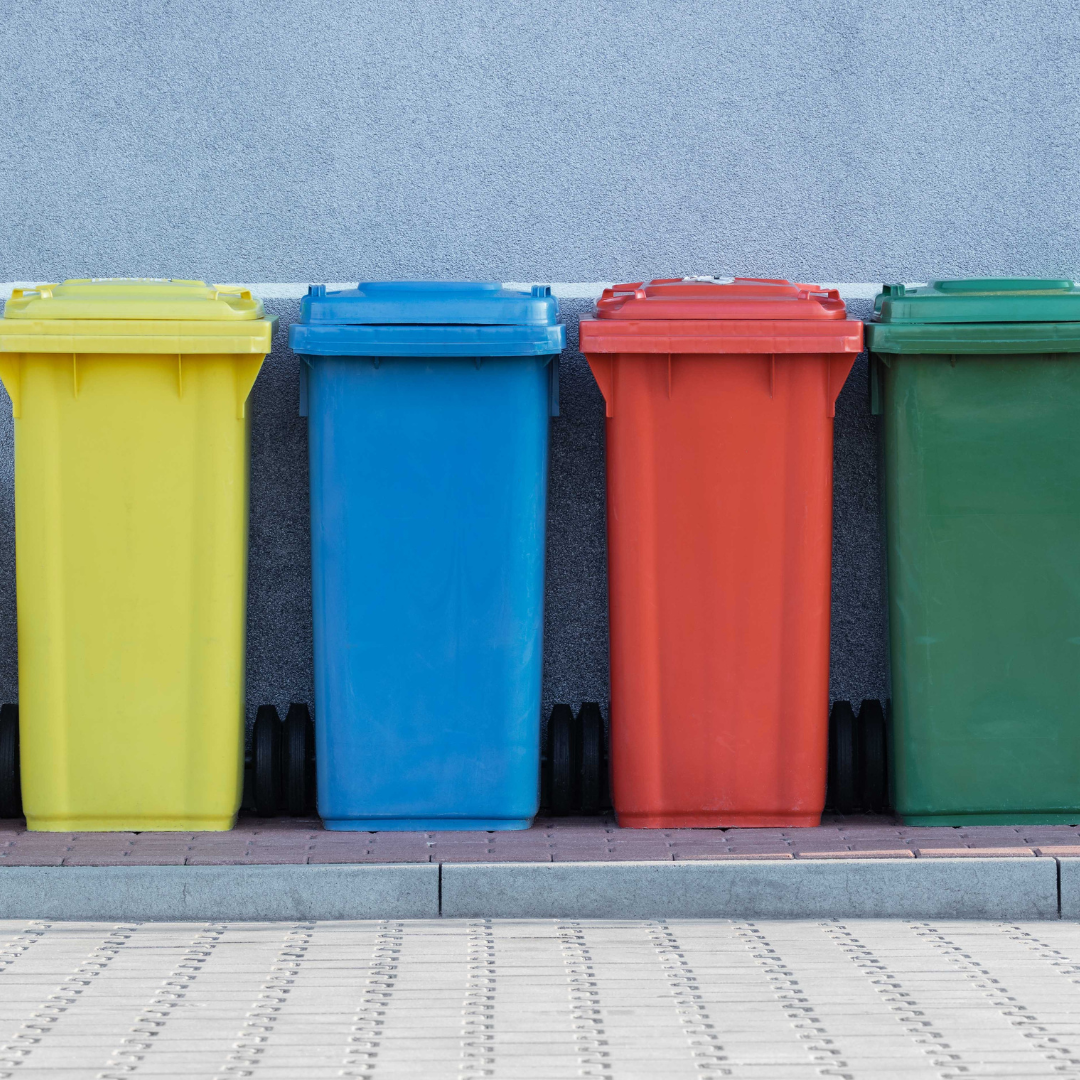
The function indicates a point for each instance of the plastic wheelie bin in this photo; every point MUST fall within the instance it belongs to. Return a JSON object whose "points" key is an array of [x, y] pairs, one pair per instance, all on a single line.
{"points": [[131, 458], [720, 400], [978, 382], [428, 409]]}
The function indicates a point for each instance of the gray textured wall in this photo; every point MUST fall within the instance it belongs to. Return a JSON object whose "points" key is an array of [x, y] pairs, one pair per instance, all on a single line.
{"points": [[575, 140], [570, 140]]}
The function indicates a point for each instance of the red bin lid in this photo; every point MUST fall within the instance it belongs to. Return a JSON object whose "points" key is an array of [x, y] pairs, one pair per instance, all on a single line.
{"points": [[719, 298]]}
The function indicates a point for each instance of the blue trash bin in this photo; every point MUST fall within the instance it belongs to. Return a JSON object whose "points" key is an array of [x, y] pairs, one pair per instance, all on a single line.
{"points": [[428, 407]]}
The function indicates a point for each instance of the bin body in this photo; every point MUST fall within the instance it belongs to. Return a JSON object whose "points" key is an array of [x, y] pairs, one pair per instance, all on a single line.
{"points": [[428, 502], [719, 459], [982, 496], [131, 454]]}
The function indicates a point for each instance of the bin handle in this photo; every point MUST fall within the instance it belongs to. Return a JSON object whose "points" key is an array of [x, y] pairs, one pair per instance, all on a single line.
{"points": [[44, 291], [636, 288], [809, 292]]}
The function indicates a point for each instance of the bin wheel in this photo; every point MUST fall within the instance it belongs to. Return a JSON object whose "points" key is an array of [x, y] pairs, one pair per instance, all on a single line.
{"points": [[297, 736], [593, 758], [10, 780], [842, 758], [561, 760], [873, 767], [266, 759], [889, 806]]}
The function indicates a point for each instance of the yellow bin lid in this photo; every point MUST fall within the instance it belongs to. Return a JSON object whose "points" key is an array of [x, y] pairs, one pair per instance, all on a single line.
{"points": [[135, 315]]}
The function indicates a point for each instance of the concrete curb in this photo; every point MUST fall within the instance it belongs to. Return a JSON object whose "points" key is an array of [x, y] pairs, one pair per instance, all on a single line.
{"points": [[198, 893], [961, 888], [1069, 888], [986, 888]]}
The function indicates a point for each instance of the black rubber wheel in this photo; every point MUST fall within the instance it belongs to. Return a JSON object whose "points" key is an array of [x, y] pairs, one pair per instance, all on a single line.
{"points": [[593, 773], [312, 779], [890, 806], [562, 761], [296, 755], [873, 766], [843, 758], [266, 760], [10, 780]]}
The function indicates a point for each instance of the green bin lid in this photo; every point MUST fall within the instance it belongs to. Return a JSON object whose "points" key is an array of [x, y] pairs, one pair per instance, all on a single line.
{"points": [[981, 300], [977, 315]]}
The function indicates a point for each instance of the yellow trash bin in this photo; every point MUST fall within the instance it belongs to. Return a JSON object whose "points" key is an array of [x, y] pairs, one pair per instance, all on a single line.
{"points": [[131, 474]]}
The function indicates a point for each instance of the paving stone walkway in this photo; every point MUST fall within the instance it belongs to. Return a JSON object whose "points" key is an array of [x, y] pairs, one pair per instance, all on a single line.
{"points": [[296, 841], [539, 999]]}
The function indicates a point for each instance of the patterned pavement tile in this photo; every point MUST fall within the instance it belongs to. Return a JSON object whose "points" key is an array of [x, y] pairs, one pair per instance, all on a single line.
{"points": [[540, 999]]}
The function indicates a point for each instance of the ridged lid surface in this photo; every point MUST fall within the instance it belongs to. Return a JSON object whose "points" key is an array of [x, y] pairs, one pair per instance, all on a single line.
{"points": [[981, 300], [719, 298], [134, 298], [447, 303]]}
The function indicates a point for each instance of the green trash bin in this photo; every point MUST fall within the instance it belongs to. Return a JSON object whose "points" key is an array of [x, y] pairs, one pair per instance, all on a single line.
{"points": [[978, 382]]}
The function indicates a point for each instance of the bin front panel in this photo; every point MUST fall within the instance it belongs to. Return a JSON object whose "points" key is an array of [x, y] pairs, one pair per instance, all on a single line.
{"points": [[983, 520], [428, 495], [131, 526], [719, 534]]}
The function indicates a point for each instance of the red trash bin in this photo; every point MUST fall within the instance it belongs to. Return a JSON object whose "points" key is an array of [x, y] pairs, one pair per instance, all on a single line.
{"points": [[720, 397]]}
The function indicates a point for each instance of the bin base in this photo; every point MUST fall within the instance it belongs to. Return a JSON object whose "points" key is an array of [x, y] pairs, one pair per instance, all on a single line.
{"points": [[1017, 817], [425, 824], [130, 824], [726, 820]]}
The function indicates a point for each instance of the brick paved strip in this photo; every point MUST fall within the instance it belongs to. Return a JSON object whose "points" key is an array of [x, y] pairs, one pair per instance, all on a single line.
{"points": [[287, 841], [976, 853], [483, 856], [894, 853], [337, 858], [727, 855]]}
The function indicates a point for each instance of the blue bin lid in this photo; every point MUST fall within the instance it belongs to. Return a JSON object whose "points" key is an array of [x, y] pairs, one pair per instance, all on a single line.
{"points": [[428, 318]]}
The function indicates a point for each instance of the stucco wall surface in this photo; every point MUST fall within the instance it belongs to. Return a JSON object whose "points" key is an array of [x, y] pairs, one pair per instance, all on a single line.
{"points": [[574, 140], [578, 140]]}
